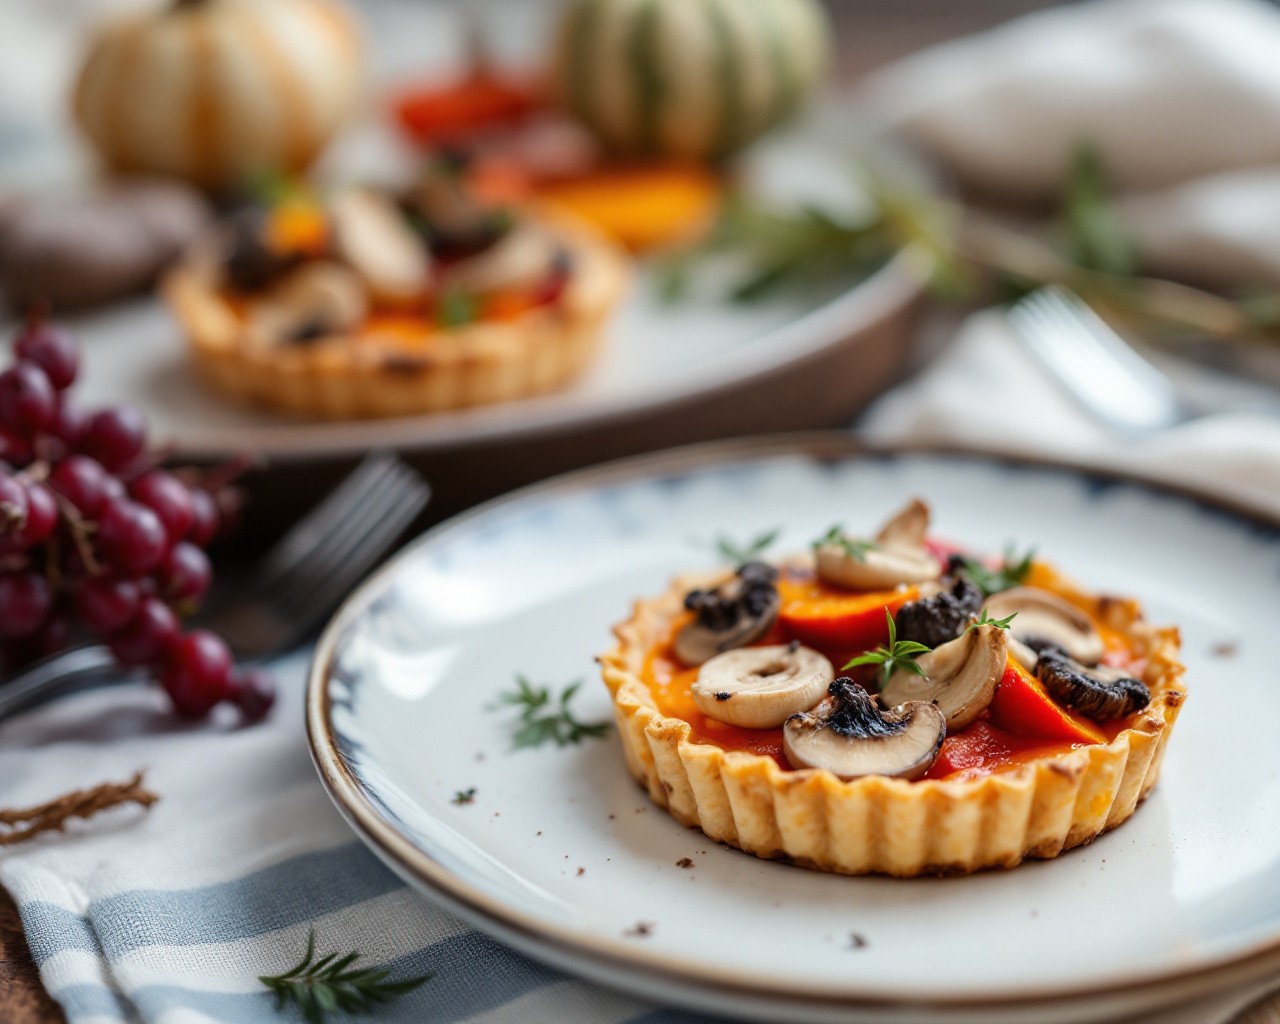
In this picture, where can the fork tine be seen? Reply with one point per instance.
(315, 529)
(1094, 364)
(343, 544)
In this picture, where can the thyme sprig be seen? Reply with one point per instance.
(854, 548)
(332, 983)
(892, 656)
(546, 719)
(740, 554)
(984, 619)
(1012, 571)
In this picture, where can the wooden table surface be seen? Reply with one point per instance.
(870, 33)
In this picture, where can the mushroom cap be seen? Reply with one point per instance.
(896, 557)
(960, 676)
(523, 256)
(941, 613)
(1101, 692)
(321, 294)
(737, 612)
(849, 736)
(761, 687)
(375, 240)
(1045, 618)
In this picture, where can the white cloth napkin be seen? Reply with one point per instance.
(1182, 97)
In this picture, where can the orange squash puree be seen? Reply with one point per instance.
(1022, 724)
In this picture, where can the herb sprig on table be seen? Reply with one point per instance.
(545, 719)
(892, 656)
(332, 983)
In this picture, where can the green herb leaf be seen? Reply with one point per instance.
(543, 720)
(896, 654)
(465, 796)
(457, 309)
(984, 619)
(1095, 237)
(1011, 573)
(741, 554)
(332, 983)
(854, 548)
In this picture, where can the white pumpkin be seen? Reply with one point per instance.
(215, 91)
(695, 79)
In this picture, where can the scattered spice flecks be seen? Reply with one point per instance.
(581, 872)
(1226, 649)
(857, 941)
(465, 796)
(612, 817)
(684, 862)
(19, 825)
(538, 833)
(640, 930)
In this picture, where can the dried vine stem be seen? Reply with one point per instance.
(17, 826)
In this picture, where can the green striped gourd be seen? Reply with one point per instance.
(695, 79)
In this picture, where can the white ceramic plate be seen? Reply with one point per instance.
(657, 354)
(1183, 897)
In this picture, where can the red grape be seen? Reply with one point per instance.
(28, 402)
(25, 602)
(42, 515)
(205, 519)
(82, 481)
(146, 639)
(115, 437)
(185, 573)
(53, 636)
(14, 450)
(169, 498)
(131, 537)
(53, 350)
(197, 674)
(69, 423)
(254, 691)
(14, 508)
(106, 603)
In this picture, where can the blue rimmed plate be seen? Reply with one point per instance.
(1183, 898)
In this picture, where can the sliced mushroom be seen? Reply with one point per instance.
(376, 241)
(849, 736)
(316, 300)
(960, 677)
(734, 614)
(761, 687)
(936, 618)
(1043, 618)
(521, 258)
(1101, 692)
(896, 557)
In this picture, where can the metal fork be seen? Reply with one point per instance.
(1095, 365)
(290, 592)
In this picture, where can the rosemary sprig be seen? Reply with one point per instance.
(984, 619)
(892, 656)
(333, 983)
(1012, 571)
(544, 719)
(740, 554)
(855, 549)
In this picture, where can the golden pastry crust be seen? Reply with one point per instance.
(341, 377)
(878, 825)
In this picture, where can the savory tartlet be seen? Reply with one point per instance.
(368, 303)
(891, 705)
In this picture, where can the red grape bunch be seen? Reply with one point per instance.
(96, 539)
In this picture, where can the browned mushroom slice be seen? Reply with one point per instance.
(851, 737)
(317, 300)
(761, 687)
(896, 557)
(1043, 618)
(375, 240)
(960, 677)
(734, 614)
(1101, 692)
